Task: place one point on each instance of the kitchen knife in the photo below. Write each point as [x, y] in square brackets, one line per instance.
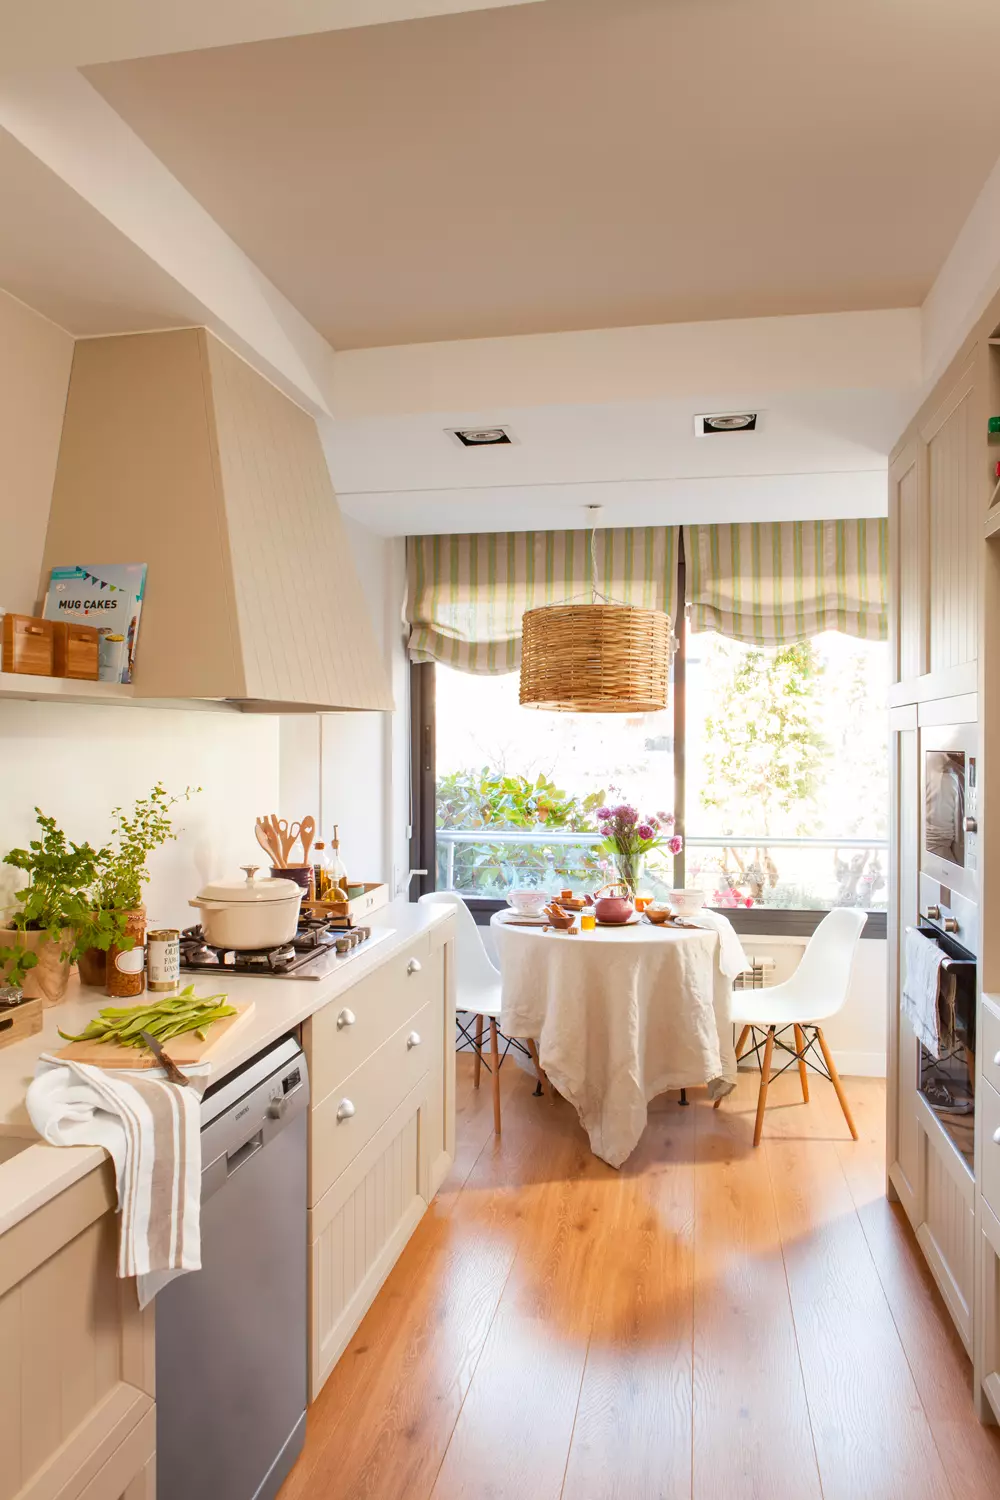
[168, 1065]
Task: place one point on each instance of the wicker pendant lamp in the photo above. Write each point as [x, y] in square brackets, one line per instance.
[596, 658]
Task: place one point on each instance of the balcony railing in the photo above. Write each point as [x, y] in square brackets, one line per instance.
[804, 881]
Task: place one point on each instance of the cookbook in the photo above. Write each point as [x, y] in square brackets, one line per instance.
[108, 596]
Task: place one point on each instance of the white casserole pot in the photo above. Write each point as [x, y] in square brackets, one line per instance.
[249, 913]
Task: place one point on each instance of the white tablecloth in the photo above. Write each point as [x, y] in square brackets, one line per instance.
[619, 1017]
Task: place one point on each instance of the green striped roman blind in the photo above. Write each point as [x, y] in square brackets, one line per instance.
[466, 594]
[776, 582]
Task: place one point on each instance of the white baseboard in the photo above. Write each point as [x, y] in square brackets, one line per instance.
[859, 1064]
[850, 1064]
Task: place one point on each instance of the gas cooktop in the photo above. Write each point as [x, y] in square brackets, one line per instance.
[316, 950]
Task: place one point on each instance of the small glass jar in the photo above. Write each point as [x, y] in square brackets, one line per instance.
[127, 966]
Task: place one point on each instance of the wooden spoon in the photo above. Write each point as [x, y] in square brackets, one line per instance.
[264, 839]
[307, 832]
[279, 831]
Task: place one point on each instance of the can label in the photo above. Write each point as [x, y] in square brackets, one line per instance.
[163, 960]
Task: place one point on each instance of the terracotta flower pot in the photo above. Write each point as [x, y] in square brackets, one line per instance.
[48, 980]
[94, 968]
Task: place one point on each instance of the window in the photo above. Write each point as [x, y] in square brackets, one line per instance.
[772, 759]
[783, 777]
[517, 790]
[787, 780]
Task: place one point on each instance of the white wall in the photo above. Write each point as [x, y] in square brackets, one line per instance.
[352, 768]
[78, 762]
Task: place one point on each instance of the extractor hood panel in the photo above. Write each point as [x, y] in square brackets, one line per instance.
[176, 453]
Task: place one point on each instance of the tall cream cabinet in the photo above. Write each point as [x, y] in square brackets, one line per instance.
[944, 1167]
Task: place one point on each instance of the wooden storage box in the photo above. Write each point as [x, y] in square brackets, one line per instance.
[76, 651]
[28, 645]
[19, 1021]
[375, 895]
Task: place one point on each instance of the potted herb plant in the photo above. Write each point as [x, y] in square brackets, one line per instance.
[54, 907]
[115, 924]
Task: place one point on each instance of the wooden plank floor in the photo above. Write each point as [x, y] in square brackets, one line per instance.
[711, 1321]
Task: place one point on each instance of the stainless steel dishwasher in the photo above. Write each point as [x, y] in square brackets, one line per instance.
[231, 1338]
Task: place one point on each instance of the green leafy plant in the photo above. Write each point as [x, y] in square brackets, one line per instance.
[61, 875]
[122, 866]
[491, 799]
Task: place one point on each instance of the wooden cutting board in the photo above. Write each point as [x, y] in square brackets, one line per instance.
[185, 1051]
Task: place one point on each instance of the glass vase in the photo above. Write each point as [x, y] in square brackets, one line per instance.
[630, 869]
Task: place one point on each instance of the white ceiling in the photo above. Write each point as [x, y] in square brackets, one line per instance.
[587, 163]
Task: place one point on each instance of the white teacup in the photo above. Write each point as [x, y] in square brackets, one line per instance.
[527, 903]
[686, 903]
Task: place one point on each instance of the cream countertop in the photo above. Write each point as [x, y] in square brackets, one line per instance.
[34, 1172]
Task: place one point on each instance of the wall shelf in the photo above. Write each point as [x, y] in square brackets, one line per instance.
[19, 685]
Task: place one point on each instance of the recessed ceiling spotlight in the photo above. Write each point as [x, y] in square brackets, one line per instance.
[481, 437]
[718, 422]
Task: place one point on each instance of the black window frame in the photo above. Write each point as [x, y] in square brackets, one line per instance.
[767, 921]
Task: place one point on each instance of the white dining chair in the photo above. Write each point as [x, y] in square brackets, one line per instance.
[478, 993]
[814, 993]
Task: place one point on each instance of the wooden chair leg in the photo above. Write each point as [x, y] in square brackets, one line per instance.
[765, 1078]
[831, 1068]
[542, 1079]
[800, 1047]
[495, 1065]
[477, 1066]
[742, 1042]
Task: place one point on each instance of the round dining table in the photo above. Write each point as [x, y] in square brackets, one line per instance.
[622, 1014]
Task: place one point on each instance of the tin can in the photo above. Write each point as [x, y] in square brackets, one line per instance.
[163, 960]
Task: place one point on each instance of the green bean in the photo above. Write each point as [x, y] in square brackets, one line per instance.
[173, 1016]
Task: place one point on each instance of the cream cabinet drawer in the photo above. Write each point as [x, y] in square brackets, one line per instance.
[341, 1036]
[989, 1042]
[345, 1121]
[990, 1106]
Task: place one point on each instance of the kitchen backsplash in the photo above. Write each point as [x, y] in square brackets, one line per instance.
[77, 763]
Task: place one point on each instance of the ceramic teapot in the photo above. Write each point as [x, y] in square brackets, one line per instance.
[613, 907]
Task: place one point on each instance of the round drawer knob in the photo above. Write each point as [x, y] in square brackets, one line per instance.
[413, 1040]
[996, 1059]
[346, 1018]
[413, 967]
[996, 1136]
[345, 1110]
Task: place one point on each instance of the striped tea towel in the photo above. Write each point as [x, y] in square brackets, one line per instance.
[152, 1131]
[922, 989]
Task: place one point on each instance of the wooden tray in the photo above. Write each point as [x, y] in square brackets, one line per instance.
[185, 1051]
[375, 895]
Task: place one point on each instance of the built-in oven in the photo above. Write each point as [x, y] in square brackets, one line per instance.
[947, 1071]
[949, 825]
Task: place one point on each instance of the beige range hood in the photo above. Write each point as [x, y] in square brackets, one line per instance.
[176, 453]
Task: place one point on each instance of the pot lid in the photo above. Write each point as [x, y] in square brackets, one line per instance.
[250, 889]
